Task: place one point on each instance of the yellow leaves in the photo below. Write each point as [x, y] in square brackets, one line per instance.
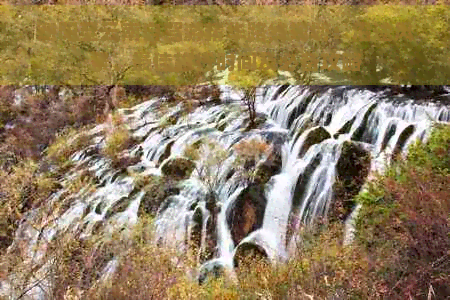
[118, 139]
[252, 149]
[261, 70]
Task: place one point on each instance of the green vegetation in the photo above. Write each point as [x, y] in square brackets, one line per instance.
[375, 33]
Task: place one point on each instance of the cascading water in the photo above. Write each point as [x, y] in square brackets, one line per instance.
[308, 130]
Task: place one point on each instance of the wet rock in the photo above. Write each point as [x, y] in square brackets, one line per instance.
[306, 123]
[346, 128]
[279, 92]
[122, 205]
[390, 132]
[210, 250]
[299, 192]
[196, 230]
[221, 125]
[404, 136]
[315, 136]
[166, 153]
[213, 268]
[248, 252]
[270, 167]
[360, 133]
[247, 212]
[300, 109]
[352, 169]
[179, 168]
[211, 227]
[157, 190]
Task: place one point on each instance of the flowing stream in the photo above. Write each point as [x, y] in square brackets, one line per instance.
[306, 129]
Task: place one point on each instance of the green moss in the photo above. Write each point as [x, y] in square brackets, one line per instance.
[315, 136]
[156, 189]
[178, 167]
[167, 121]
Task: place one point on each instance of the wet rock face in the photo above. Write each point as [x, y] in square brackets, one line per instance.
[315, 136]
[361, 133]
[157, 189]
[407, 132]
[270, 167]
[352, 170]
[178, 167]
[210, 269]
[196, 230]
[247, 213]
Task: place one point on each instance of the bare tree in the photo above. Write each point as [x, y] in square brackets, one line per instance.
[249, 101]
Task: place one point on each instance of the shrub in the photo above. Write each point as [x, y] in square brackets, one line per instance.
[116, 141]
[211, 156]
[145, 271]
[435, 153]
[404, 223]
[21, 190]
[66, 144]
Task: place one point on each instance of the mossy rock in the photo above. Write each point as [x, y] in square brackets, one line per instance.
[259, 120]
[157, 189]
[352, 169]
[315, 136]
[247, 212]
[179, 167]
[210, 269]
[270, 167]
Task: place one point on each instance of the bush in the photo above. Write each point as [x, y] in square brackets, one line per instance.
[67, 144]
[116, 141]
[21, 190]
[435, 153]
[145, 271]
[404, 223]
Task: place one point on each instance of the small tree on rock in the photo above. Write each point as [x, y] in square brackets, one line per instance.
[249, 80]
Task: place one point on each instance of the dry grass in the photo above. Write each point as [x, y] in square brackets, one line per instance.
[21, 189]
[67, 144]
[117, 140]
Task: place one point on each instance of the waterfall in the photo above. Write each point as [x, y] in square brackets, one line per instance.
[309, 127]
